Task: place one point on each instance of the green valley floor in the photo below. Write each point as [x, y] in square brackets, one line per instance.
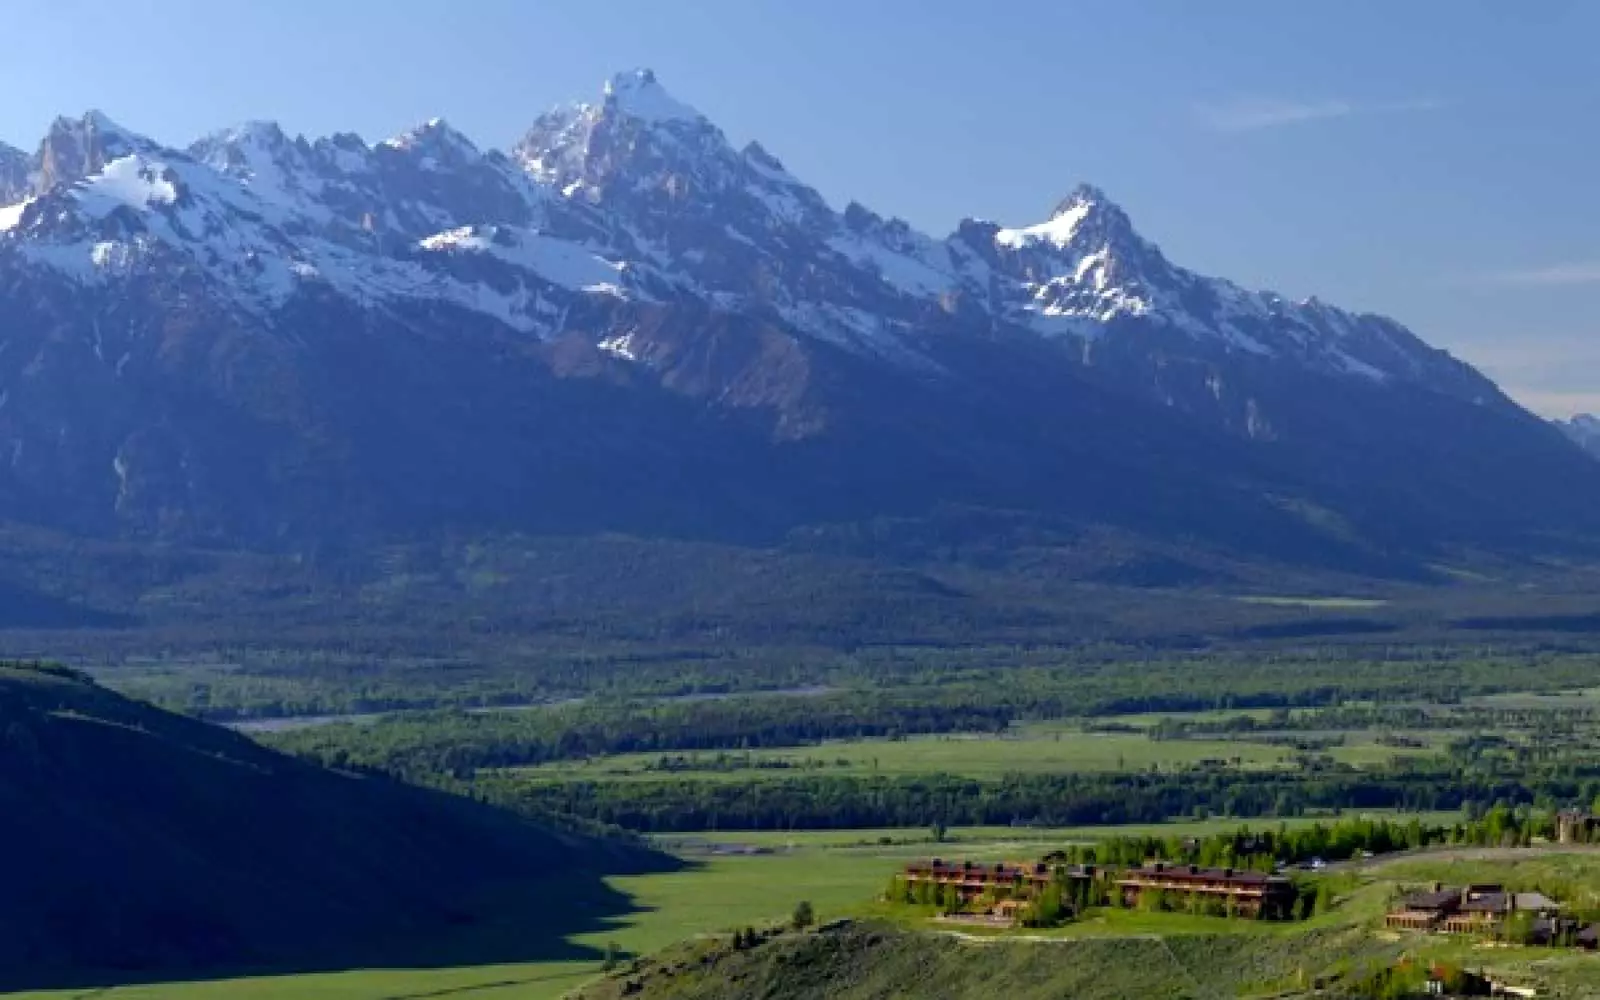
[841, 873]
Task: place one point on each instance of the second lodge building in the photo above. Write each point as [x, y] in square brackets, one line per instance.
[1247, 893]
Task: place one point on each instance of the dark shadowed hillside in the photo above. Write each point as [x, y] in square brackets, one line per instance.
[141, 843]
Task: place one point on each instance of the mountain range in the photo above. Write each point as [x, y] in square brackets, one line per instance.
[624, 323]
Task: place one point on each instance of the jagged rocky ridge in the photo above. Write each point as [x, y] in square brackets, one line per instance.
[625, 322]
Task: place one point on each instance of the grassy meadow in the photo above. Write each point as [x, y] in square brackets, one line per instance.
[1028, 748]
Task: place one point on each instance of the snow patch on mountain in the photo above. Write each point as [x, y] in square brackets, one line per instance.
[621, 346]
[1058, 230]
[264, 161]
[558, 261]
[131, 181]
[924, 270]
[11, 215]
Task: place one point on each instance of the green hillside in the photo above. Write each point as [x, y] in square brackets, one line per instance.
[144, 845]
[872, 961]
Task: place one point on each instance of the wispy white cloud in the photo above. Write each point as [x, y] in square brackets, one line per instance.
[1251, 114]
[1578, 272]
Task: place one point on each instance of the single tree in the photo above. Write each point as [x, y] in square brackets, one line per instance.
[804, 916]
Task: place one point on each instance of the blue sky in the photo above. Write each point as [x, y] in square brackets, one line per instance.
[1434, 160]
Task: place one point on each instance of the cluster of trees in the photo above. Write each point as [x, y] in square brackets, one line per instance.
[849, 802]
[1065, 899]
[946, 690]
[824, 801]
[461, 743]
[1336, 840]
[1470, 718]
[724, 761]
[458, 743]
[419, 668]
[1062, 900]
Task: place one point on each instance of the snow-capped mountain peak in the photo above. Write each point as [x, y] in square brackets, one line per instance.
[635, 196]
[638, 94]
[636, 127]
[1084, 216]
[437, 141]
[244, 150]
[77, 148]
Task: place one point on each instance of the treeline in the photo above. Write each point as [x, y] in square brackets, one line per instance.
[48, 668]
[457, 742]
[461, 743]
[1031, 680]
[1454, 717]
[1337, 840]
[848, 802]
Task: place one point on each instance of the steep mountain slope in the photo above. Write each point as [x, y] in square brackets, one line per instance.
[13, 174]
[626, 323]
[141, 842]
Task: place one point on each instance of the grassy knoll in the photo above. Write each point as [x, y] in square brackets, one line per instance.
[1572, 875]
[872, 961]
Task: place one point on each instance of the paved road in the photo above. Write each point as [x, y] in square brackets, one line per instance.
[1464, 854]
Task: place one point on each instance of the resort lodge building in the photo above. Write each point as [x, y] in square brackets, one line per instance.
[1245, 893]
[1473, 909]
[973, 881]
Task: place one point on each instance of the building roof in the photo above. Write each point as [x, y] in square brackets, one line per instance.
[1536, 901]
[1442, 899]
[1194, 873]
[1489, 902]
[1004, 871]
[1506, 902]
